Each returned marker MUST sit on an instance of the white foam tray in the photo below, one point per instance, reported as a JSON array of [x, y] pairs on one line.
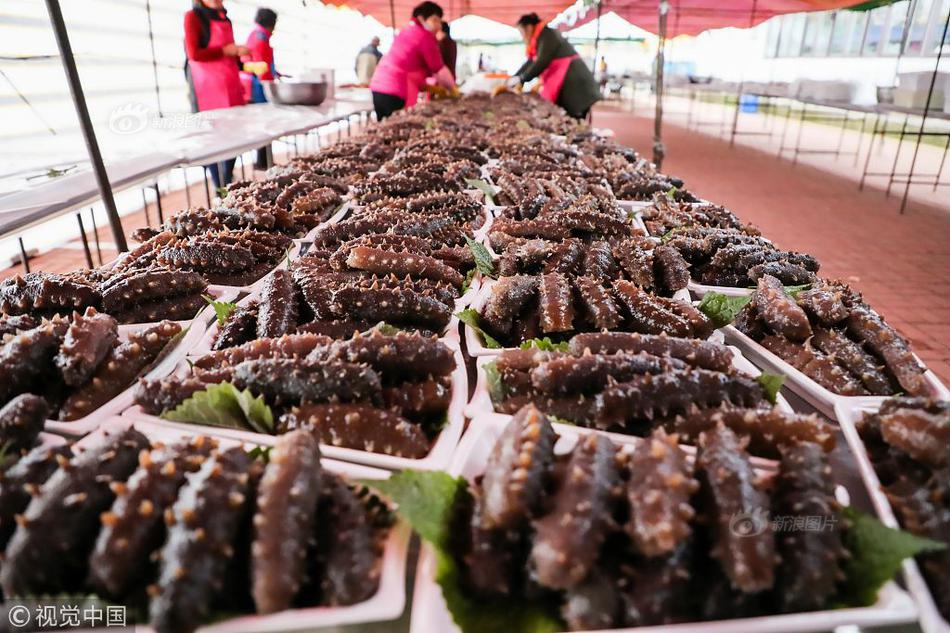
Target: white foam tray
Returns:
[[816, 395], [192, 331], [475, 346], [430, 615], [204, 344], [386, 604], [438, 458], [848, 415], [480, 407]]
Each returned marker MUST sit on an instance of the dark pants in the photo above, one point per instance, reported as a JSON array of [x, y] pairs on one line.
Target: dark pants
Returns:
[[385, 104], [228, 173]]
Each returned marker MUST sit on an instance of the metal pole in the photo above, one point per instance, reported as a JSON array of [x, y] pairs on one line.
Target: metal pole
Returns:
[[26, 258], [659, 151], [85, 242], [735, 115], [85, 123], [95, 234], [392, 16], [158, 203], [923, 120], [151, 43], [597, 38]]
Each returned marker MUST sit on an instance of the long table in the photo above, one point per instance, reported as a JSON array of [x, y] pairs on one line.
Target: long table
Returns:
[[202, 139]]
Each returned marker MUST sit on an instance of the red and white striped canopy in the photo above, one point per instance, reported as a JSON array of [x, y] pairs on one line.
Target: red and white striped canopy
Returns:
[[685, 17]]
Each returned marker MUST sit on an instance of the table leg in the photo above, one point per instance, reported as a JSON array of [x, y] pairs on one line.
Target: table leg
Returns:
[[85, 242], [26, 259]]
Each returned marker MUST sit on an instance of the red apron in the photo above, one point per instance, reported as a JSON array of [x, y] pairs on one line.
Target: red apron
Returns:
[[217, 83], [415, 81], [552, 77]]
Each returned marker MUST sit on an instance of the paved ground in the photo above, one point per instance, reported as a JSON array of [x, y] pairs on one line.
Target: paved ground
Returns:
[[900, 263]]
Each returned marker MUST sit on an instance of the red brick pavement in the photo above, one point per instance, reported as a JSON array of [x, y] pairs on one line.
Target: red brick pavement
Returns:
[[901, 263]]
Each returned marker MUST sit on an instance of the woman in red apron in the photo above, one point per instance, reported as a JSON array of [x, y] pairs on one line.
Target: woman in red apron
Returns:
[[212, 66], [566, 79]]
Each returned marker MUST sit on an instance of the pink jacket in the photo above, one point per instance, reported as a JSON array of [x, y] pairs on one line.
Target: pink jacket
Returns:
[[415, 51]]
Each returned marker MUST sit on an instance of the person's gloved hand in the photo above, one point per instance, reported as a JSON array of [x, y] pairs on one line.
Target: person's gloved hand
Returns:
[[513, 83]]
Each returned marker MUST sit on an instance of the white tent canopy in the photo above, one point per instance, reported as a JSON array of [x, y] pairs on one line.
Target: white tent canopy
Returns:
[[612, 27], [472, 28]]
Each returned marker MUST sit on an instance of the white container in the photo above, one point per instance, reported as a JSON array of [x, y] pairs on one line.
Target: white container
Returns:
[[438, 458], [931, 621], [192, 331], [481, 404], [430, 615], [386, 604], [816, 395], [473, 341]]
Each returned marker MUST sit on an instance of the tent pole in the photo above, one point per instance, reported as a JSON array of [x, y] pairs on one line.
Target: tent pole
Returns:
[[85, 123], [735, 115], [392, 15], [597, 38], [151, 42], [663, 8]]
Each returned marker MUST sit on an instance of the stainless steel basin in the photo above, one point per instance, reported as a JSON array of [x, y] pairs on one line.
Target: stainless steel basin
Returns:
[[296, 92]]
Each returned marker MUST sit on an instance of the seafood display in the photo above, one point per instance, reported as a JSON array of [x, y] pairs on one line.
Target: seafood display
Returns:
[[372, 392], [524, 307], [614, 536], [908, 443], [517, 221], [665, 216], [640, 383], [829, 334], [396, 279], [66, 368], [736, 257], [191, 527], [141, 295]]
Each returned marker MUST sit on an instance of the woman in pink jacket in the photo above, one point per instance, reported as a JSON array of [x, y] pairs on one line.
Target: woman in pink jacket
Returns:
[[413, 56]]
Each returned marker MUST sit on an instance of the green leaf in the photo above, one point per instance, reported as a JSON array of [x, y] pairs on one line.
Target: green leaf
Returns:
[[666, 237], [468, 280], [771, 383], [523, 125], [430, 124], [387, 329], [226, 406], [469, 317], [260, 452], [722, 309], [222, 192], [497, 616], [488, 114], [7, 455], [671, 193], [222, 309], [483, 261], [496, 386], [877, 552], [484, 187], [792, 291], [427, 501], [545, 345]]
